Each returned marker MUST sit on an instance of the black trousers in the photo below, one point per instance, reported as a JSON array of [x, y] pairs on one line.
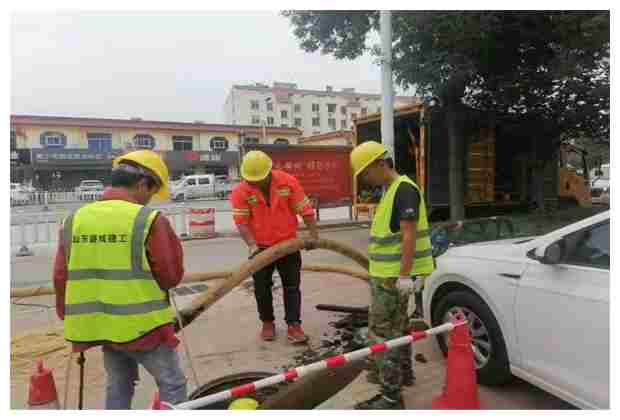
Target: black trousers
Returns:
[[289, 268]]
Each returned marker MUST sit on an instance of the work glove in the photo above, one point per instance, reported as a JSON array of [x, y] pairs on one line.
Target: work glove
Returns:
[[405, 285], [414, 306]]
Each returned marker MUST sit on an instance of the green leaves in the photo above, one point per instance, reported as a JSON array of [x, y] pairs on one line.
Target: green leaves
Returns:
[[552, 65]]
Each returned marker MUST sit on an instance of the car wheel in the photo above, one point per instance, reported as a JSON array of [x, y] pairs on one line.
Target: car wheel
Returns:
[[490, 356]]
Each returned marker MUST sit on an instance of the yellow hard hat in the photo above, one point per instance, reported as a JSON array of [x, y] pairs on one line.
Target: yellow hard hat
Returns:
[[153, 162], [256, 166], [243, 404], [365, 154]]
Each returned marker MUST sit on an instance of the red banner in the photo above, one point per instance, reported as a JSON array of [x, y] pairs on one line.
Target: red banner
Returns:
[[324, 174]]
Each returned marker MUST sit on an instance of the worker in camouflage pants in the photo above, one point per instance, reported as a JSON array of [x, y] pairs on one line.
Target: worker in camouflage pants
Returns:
[[388, 319], [399, 250]]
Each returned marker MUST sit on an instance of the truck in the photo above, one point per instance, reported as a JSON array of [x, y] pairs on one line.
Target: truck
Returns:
[[201, 186], [498, 163]]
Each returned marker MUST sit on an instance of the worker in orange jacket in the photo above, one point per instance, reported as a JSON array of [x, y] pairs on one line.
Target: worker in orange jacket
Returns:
[[265, 209]]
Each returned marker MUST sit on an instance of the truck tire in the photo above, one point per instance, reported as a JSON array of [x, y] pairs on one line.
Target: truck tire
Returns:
[[496, 369]]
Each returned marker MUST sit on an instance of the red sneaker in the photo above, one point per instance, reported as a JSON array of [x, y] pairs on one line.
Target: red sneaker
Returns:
[[268, 332], [296, 334]]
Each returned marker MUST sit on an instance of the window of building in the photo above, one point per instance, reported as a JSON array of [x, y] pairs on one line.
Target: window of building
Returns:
[[316, 122], [315, 107], [343, 124], [182, 143], [270, 121], [251, 140], [255, 120], [13, 140], [284, 125], [331, 107], [315, 132], [343, 110], [269, 106], [353, 116], [254, 105], [364, 111], [99, 142], [379, 109], [144, 141], [284, 114], [219, 144], [297, 108], [53, 139], [331, 123], [297, 122], [282, 142]]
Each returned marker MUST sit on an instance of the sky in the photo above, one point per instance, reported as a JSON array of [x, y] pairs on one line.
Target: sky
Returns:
[[161, 65]]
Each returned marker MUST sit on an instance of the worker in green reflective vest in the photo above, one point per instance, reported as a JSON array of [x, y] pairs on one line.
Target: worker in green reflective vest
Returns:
[[399, 251], [115, 263]]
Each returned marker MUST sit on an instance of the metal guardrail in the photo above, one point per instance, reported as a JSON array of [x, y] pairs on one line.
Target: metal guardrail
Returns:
[[42, 228], [45, 198]]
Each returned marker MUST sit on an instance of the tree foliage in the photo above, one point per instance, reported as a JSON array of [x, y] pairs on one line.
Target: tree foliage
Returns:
[[549, 66]]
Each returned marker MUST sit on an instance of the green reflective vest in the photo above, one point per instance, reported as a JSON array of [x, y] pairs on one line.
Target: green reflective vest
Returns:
[[385, 249], [111, 294]]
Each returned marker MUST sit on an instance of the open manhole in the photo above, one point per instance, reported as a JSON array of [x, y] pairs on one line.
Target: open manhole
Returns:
[[230, 381]]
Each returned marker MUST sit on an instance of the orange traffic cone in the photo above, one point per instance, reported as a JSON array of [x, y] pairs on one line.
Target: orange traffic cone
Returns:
[[42, 393], [159, 404], [461, 389]]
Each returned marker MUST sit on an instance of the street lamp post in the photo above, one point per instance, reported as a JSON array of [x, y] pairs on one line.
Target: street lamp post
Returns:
[[387, 89]]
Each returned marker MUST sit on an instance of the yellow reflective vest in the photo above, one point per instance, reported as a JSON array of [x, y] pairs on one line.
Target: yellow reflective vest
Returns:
[[385, 249], [111, 294]]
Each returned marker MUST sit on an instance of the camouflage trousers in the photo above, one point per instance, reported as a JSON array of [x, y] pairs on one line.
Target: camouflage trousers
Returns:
[[388, 319]]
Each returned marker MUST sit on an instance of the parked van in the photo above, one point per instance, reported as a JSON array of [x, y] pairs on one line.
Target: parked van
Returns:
[[200, 186]]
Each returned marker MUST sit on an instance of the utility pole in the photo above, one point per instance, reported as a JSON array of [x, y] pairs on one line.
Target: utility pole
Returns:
[[387, 89]]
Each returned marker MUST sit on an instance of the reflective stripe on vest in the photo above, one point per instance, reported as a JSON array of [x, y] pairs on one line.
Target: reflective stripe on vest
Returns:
[[104, 300], [385, 246], [111, 309], [397, 238], [397, 257]]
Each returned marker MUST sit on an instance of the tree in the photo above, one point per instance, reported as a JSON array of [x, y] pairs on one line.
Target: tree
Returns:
[[548, 68]]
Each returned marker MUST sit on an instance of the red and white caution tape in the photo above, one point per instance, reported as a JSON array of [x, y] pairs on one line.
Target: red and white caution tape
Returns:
[[329, 363]]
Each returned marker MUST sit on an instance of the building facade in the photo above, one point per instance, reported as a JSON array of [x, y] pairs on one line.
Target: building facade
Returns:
[[335, 138], [311, 111], [59, 152]]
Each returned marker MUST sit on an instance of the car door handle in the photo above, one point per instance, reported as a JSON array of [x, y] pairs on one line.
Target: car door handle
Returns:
[[510, 276]]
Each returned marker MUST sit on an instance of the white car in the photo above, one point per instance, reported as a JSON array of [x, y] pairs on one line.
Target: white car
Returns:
[[90, 190], [19, 196], [538, 308], [600, 190]]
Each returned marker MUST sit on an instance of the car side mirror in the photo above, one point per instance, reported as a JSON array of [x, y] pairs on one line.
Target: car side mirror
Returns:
[[550, 255]]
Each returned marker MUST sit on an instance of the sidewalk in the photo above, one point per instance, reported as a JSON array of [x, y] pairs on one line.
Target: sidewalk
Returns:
[[225, 339]]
